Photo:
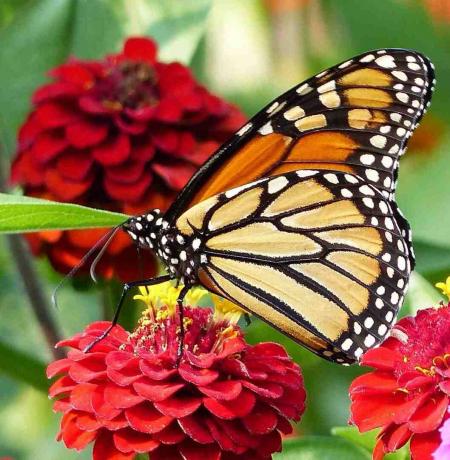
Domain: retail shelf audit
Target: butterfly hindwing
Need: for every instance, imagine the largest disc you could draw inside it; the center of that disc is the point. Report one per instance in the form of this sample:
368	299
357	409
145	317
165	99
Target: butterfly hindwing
318	254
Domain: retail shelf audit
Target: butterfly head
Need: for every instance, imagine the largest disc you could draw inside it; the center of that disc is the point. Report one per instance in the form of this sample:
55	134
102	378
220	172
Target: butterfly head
144	229
181	255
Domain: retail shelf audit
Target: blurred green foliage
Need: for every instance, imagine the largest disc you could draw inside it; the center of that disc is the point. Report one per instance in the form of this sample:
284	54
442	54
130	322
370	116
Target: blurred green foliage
273	49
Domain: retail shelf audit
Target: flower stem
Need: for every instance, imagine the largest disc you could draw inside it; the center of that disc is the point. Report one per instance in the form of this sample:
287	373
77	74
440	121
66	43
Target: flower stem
38	301
27	270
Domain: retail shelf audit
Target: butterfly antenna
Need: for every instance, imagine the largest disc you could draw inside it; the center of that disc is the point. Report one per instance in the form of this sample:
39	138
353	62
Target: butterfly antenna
107	237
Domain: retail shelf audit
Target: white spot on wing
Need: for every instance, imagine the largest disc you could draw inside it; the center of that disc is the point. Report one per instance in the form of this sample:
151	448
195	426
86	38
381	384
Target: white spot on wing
386	61
329	86
345	64
351	179
394	149
367	159
403	97
306	173
387	161
277	184
332	178
273	107
304	89
400	75
378	141
346	344
235	191
413	66
366	190
395	117
368	202
372	175
330	99
244	129
368	58
294	113
266	129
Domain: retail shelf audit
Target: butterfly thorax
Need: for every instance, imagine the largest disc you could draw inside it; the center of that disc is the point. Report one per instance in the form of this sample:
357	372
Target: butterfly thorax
179	253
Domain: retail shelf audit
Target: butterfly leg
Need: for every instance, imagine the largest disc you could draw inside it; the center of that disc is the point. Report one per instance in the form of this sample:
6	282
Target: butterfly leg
180	309
126	288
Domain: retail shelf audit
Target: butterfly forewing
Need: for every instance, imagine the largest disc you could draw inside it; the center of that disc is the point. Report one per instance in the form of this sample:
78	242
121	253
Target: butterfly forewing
317	254
355	117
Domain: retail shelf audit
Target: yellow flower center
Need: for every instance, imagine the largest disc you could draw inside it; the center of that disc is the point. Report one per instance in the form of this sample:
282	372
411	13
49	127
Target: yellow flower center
444	287
167	294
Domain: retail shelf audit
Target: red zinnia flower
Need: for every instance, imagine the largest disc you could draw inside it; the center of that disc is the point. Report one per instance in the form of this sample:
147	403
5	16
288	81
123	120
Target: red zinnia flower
124	133
408	393
225	400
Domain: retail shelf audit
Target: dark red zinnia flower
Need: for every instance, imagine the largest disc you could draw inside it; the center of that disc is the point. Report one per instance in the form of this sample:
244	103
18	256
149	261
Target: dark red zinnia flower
124	133
407	394
225	400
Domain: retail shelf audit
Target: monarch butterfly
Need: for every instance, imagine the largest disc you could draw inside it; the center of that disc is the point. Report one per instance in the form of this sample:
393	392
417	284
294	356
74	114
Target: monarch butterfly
294	218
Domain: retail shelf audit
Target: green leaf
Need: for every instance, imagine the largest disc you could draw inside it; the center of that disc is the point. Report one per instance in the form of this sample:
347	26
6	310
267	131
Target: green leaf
421	294
424	194
23	367
432	261
19	214
321	448
100	26
32	43
351	433
45	33
177	26
366	440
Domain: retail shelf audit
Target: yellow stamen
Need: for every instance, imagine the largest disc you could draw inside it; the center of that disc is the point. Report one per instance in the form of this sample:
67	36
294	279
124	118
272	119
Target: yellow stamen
224	310
427	372
403	390
166	294
195	295
162	314
444	287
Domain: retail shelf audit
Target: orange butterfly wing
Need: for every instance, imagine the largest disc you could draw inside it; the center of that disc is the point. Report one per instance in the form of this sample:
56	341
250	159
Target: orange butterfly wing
355	117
